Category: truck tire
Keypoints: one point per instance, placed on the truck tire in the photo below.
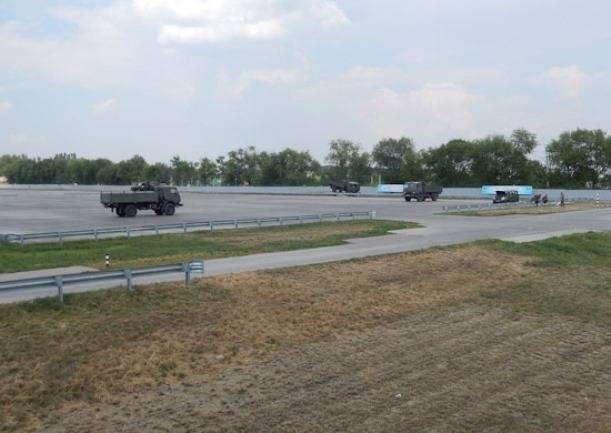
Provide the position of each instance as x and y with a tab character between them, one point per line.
408	198
434	197
420	198
130	211
169	209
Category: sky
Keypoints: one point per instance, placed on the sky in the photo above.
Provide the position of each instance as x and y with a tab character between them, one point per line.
197	78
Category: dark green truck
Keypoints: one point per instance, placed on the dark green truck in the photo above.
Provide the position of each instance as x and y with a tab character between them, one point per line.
162	199
421	191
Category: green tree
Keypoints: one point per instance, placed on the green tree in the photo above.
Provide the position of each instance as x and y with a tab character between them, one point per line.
241	167
497	159
208	171
159	172
451	164
289	167
580	158
183	172
130	170
397	160
347	161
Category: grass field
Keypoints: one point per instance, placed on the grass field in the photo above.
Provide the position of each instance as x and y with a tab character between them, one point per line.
489	336
533	210
173	248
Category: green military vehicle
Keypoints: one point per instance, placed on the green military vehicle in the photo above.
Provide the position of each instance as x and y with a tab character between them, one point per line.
420	191
349	187
506	197
162	199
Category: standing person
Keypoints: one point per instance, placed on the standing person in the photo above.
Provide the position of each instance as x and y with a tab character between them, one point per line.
561	199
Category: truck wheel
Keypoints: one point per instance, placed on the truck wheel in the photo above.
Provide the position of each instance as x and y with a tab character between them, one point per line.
169	209
420	198
434	197
130	211
159	211
408	198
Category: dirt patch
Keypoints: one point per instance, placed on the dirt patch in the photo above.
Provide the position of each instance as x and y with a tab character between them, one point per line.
459	370
426	341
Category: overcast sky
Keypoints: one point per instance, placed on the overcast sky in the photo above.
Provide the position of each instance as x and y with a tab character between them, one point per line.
112	78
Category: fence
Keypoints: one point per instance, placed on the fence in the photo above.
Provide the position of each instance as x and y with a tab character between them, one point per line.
60	236
59	281
520	204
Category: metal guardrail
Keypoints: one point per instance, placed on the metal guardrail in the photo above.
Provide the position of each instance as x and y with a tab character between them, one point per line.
520	204
60	236
59	281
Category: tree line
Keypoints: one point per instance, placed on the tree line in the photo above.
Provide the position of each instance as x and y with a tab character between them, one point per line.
579	158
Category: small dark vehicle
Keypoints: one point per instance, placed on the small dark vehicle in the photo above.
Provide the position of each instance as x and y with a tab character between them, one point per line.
162	199
420	191
506	197
349	187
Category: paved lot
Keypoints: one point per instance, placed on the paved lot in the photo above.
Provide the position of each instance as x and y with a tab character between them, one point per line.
60	210
40	211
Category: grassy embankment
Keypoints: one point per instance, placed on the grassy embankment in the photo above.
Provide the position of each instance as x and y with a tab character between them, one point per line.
173	248
533	210
484	336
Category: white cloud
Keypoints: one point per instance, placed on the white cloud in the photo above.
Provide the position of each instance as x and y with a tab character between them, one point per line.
569	80
26	141
98	49
5	106
431	112
104	106
194	34
267	76
329	13
201	21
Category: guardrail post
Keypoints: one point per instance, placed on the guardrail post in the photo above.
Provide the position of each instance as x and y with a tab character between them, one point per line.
156	230
60	288
281	221
127	231
235	224
21	240
319	217
211	225
95	234
259	222
300	219
186	267
60	239
184	227
128	276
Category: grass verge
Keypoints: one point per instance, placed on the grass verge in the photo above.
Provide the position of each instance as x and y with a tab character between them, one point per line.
486	319
541	210
173	248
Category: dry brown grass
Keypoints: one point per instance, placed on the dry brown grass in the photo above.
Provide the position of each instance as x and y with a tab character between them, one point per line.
540	210
241	352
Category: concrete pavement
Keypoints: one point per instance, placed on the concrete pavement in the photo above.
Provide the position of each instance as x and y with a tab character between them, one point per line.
439	230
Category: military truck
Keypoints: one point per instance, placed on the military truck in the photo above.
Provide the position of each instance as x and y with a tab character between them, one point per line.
162	199
506	197
420	191
350	187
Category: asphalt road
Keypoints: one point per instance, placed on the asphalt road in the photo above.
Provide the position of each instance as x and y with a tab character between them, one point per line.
42	211
438	229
